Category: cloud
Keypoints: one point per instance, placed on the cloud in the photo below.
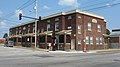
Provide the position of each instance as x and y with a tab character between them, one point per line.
17	12
1	12
73	3
3	24
45	7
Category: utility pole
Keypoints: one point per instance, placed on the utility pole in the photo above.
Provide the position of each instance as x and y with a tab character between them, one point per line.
36	10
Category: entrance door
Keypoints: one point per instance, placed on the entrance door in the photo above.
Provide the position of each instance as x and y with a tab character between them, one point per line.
57	42
73	44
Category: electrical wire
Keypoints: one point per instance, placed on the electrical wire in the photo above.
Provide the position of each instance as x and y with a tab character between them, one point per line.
98	3
111	5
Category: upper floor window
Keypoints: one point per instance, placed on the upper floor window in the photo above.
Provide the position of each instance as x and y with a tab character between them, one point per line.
69	17
19	28
99	27
87	40
28	25
56	19
89	26
48	27
33	29
79	29
57	26
19	31
24	28
28	30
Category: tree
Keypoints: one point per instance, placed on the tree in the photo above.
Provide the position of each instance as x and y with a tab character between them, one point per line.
5	35
107	32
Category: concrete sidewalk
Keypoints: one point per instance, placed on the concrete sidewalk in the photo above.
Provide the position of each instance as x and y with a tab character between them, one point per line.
70	51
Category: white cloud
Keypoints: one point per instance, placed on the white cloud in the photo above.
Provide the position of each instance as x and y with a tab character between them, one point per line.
45	7
1	12
3	24
73	3
17	12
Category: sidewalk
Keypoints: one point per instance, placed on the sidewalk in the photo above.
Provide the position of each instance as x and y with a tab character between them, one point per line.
70	51
106	50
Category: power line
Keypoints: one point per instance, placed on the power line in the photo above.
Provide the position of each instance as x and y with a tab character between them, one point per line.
103	6
99	3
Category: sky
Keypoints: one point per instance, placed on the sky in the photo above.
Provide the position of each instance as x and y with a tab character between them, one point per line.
9	10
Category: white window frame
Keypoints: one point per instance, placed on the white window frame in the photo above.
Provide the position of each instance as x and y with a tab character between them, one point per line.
79	29
79	42
42	30
48	27
57	26
28	30
99	27
97	40
87	40
91	40
33	29
101	40
89	26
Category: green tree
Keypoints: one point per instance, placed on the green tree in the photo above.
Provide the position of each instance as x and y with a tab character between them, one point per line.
107	31
5	35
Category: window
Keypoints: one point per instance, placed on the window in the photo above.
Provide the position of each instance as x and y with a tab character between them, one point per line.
100	40
69	17
79	42
57	26
56	19
48	27
28	30
99	28
69	27
91	40
28	25
97	41
19	31
87	40
89	26
33	29
38	30
24	28
79	29
42	30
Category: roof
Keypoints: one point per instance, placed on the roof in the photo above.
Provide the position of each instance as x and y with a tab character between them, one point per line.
115	34
73	11
63	13
32	21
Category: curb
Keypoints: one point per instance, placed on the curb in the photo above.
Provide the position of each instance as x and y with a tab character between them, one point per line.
107	50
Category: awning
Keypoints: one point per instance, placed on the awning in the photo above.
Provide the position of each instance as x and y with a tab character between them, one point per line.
19	36
30	34
64	32
46	33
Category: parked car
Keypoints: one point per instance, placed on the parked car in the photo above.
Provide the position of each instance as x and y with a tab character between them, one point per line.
9	44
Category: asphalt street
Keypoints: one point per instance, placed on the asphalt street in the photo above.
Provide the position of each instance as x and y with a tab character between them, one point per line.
17	57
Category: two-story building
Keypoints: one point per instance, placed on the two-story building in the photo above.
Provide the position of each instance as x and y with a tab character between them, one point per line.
74	30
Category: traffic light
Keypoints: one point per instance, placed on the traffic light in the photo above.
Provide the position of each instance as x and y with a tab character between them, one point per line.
20	16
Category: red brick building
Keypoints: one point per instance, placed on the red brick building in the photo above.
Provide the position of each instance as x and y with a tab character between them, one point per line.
74	30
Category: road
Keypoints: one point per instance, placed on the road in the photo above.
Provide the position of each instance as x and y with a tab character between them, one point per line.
17	57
